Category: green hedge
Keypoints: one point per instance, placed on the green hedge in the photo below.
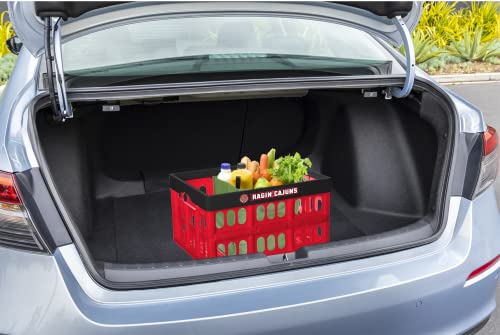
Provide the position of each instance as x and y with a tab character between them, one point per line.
7	63
447	35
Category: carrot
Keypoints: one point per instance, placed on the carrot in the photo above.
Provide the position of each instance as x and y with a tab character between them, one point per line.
255	176
263	163
264	172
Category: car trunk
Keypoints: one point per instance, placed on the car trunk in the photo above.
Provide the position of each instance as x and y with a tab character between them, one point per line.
385	159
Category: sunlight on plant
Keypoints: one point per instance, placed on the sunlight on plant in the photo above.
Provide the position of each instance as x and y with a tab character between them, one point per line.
6	32
482	15
443	23
439	22
446	35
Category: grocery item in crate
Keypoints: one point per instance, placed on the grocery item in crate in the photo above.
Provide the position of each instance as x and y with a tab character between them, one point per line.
241	178
225	172
272	220
270	172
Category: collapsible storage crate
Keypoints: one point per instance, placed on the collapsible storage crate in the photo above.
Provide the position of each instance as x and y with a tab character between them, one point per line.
271	220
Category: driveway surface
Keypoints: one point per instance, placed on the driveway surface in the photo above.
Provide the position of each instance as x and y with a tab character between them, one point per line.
486	96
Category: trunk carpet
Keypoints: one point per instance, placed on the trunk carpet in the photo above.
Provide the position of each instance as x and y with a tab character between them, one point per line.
142	231
354	221
138	229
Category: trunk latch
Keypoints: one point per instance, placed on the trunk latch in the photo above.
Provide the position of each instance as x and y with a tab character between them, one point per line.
53	56
410	61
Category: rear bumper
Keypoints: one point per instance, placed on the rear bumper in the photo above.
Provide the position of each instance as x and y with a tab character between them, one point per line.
477	328
416	291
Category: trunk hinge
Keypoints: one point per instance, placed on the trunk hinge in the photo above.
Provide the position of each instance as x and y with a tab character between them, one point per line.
55	73
410	61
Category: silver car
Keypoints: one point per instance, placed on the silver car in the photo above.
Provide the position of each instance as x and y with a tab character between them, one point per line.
108	99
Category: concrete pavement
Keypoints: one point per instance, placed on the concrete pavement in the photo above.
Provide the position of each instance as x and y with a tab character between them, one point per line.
486	96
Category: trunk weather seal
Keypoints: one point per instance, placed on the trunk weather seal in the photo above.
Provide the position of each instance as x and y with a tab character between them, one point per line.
90	264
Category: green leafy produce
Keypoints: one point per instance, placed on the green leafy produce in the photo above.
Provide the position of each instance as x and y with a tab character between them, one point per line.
291	169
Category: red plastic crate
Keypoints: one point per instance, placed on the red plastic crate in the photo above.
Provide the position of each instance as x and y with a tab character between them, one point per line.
272	220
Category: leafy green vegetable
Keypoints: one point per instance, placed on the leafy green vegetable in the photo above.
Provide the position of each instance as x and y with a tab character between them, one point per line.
291	169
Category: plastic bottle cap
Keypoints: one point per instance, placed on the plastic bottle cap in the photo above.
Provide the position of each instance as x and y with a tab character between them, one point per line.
241	166
225	166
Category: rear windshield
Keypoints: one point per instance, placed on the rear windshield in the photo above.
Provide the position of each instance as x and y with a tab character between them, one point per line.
225	44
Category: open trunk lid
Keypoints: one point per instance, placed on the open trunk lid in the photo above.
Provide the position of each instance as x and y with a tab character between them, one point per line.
391	21
376	17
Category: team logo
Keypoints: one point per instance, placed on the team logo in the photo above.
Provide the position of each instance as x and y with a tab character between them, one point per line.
244	198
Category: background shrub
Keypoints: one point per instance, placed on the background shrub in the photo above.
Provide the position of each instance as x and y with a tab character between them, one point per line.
6	32
439	22
482	16
446	34
7	63
470	48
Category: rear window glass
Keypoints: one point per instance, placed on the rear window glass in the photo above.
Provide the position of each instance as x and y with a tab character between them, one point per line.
219	44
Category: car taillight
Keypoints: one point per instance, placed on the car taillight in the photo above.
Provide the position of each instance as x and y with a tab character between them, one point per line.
482	271
16	228
489	162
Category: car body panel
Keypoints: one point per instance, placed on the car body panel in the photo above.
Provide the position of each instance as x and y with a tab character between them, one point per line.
67	9
29	27
415	291
16	152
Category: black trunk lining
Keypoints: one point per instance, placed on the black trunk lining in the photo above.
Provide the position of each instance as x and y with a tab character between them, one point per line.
138	229
111	169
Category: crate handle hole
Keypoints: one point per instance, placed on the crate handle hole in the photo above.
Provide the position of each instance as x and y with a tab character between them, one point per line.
319	205
261	244
221	248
